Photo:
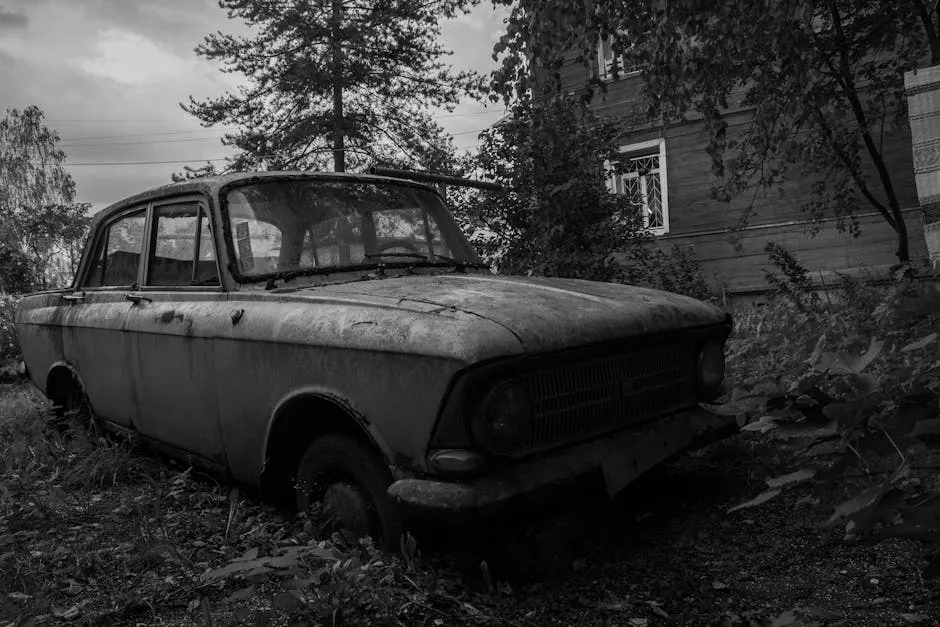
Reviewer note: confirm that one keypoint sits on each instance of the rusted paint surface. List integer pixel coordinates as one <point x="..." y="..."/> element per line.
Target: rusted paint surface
<point x="89" y="335"/>
<point x="391" y="364"/>
<point x="546" y="314"/>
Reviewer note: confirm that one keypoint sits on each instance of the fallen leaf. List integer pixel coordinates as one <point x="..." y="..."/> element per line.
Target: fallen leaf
<point x="855" y="505"/>
<point x="250" y="554"/>
<point x="817" y="350"/>
<point x="242" y="595"/>
<point x="67" y="614"/>
<point x="657" y="609"/>
<point x="785" y="620"/>
<point x="639" y="622"/>
<point x="760" y="499"/>
<point x="874" y="349"/>
<point x="803" y="430"/>
<point x="843" y="363"/>
<point x="793" y="477"/>
<point x="915" y="618"/>
<point x="762" y="424"/>
<point x="921" y="343"/>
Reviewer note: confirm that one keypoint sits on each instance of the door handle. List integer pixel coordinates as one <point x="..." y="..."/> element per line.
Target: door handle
<point x="80" y="296"/>
<point x="136" y="298"/>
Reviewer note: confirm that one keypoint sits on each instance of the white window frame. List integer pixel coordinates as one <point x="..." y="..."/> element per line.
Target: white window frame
<point x="640" y="149"/>
<point x="605" y="66"/>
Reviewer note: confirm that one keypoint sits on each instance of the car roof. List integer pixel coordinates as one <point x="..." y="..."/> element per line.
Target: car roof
<point x="211" y="185"/>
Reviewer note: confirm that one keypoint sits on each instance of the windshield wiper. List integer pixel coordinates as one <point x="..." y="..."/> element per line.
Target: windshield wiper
<point x="460" y="265"/>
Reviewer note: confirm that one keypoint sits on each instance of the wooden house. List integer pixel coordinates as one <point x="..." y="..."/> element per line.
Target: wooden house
<point x="672" y="178"/>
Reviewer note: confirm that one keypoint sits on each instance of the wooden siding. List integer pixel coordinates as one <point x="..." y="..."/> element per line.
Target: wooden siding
<point x="742" y="271"/>
<point x="696" y="219"/>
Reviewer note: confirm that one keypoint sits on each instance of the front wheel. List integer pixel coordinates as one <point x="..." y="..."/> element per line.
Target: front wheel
<point x="351" y="481"/>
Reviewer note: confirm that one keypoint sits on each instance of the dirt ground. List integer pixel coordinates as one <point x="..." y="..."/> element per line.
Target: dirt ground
<point x="667" y="552"/>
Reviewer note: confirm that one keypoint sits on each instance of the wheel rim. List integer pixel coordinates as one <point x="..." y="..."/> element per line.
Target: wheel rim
<point x="347" y="505"/>
<point x="343" y="502"/>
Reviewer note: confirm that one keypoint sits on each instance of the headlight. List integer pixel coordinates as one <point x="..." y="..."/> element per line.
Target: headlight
<point x="711" y="369"/>
<point x="504" y="421"/>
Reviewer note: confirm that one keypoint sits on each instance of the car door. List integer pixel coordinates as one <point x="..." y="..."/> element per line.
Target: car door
<point x="94" y="341"/>
<point x="180" y="307"/>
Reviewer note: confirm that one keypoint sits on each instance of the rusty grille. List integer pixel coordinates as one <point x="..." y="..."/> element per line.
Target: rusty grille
<point x="588" y="397"/>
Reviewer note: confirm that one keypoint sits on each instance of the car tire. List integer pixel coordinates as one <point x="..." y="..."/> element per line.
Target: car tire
<point x="69" y="402"/>
<point x="351" y="481"/>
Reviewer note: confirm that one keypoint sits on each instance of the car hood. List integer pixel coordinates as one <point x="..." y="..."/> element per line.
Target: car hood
<point x="545" y="313"/>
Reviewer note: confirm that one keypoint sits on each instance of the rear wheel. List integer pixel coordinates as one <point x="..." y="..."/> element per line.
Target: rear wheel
<point x="69" y="402"/>
<point x="351" y="482"/>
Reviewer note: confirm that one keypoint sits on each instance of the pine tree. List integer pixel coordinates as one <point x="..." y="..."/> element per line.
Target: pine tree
<point x="353" y="78"/>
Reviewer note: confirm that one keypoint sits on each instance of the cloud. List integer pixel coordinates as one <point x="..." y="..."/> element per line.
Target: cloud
<point x="11" y="20"/>
<point x="132" y="59"/>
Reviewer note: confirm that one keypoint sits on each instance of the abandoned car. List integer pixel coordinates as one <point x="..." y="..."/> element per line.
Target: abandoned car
<point x="334" y="338"/>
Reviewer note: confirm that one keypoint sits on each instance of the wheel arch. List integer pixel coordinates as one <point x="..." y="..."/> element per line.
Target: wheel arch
<point x="297" y="420"/>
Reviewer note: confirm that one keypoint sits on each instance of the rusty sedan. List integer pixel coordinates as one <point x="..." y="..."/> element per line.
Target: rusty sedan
<point x="335" y="339"/>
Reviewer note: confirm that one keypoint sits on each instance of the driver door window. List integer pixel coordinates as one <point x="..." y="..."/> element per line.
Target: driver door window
<point x="118" y="256"/>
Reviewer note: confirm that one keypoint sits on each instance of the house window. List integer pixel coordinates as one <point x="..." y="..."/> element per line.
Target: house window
<point x="642" y="177"/>
<point x="608" y="62"/>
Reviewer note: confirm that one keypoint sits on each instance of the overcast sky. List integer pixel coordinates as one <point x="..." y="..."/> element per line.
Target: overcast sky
<point x="110" y="74"/>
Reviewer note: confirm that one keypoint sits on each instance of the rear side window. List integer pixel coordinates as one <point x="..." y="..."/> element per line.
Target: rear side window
<point x="182" y="253"/>
<point x="117" y="258"/>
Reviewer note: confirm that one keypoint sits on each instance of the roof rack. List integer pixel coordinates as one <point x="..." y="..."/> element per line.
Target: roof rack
<point x="428" y="177"/>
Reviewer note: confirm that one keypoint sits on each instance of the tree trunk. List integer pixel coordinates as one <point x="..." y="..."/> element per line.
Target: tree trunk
<point x="339" y="144"/>
<point x="904" y="249"/>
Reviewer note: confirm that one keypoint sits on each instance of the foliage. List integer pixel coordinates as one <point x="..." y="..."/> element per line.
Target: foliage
<point x="9" y="347"/>
<point x="355" y="79"/>
<point x="674" y="270"/>
<point x="822" y="78"/>
<point x="40" y="222"/>
<point x="189" y="172"/>
<point x="555" y="215"/>
<point x="853" y="385"/>
<point x="795" y="285"/>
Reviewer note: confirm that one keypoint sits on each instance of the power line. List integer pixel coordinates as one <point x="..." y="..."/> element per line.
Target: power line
<point x="65" y="141"/>
<point x="104" y="163"/>
<point x="207" y="130"/>
<point x="161" y="120"/>
<point x="142" y="142"/>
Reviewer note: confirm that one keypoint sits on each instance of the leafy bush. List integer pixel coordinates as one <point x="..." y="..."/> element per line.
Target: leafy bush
<point x="851" y="384"/>
<point x="9" y="347"/>
<point x="556" y="216"/>
<point x="676" y="270"/>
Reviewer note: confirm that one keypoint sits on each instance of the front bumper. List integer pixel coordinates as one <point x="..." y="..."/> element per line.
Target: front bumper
<point x="619" y="459"/>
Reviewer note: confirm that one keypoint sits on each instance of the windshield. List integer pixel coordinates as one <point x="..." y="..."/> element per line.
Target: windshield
<point x="311" y="226"/>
